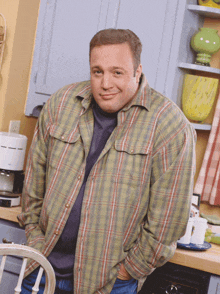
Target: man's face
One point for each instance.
(113, 81)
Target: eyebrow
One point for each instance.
(118, 67)
(114, 67)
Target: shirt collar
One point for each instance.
(85, 95)
(142, 97)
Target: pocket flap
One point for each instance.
(63, 134)
(132, 147)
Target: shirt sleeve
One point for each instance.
(173, 168)
(34, 183)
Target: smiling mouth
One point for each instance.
(108, 95)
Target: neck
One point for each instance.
(102, 112)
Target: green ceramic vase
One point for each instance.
(205, 42)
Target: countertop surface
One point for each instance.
(10, 213)
(208, 260)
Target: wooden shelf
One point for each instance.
(10, 213)
(197, 67)
(205, 11)
(205, 127)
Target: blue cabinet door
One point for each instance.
(154, 22)
(61, 54)
(65, 28)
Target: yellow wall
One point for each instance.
(21, 19)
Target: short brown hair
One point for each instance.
(119, 36)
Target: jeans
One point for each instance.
(65, 286)
(125, 287)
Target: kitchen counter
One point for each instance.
(10, 213)
(208, 261)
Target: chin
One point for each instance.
(107, 108)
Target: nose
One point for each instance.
(106, 81)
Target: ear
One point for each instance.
(138, 73)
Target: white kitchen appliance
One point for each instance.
(12, 154)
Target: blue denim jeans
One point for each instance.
(125, 287)
(65, 286)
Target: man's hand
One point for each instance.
(123, 274)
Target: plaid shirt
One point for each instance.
(138, 193)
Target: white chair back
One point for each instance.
(28, 252)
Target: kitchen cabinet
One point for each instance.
(175, 279)
(61, 54)
(172, 278)
(12, 232)
(214, 285)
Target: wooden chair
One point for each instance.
(28, 252)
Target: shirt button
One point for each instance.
(132, 150)
(57, 232)
(67, 205)
(79, 178)
(62, 137)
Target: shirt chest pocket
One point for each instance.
(132, 172)
(64, 145)
(134, 159)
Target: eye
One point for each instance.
(97, 72)
(118, 73)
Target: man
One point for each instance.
(109, 175)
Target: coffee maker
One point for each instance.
(12, 154)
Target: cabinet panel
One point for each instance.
(10, 274)
(154, 23)
(214, 286)
(173, 278)
(67, 28)
(61, 54)
(12, 232)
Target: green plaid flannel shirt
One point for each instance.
(138, 193)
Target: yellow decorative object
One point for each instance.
(210, 3)
(198, 96)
